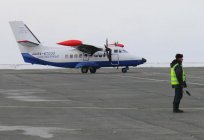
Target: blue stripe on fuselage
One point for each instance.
(30, 59)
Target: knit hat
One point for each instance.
(179, 56)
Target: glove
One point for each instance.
(181, 86)
(184, 84)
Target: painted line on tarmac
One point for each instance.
(195, 77)
(158, 80)
(149, 79)
(167, 74)
(99, 108)
(192, 83)
(65, 107)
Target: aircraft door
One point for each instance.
(85, 57)
(115, 59)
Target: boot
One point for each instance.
(177, 111)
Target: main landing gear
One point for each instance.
(86, 69)
(93, 69)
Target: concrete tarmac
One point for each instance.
(109, 105)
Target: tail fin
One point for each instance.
(23, 35)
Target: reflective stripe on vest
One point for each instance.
(174, 80)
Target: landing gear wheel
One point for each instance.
(92, 70)
(84, 69)
(124, 70)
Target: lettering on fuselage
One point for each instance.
(45, 55)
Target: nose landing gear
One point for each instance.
(124, 70)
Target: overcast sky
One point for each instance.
(153, 29)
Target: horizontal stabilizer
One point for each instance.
(27, 43)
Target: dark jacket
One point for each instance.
(179, 73)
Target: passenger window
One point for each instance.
(75, 56)
(115, 51)
(100, 55)
(80, 55)
(71, 55)
(120, 51)
(66, 56)
(85, 55)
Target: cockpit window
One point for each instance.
(121, 51)
(124, 51)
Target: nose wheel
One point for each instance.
(124, 70)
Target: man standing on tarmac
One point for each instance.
(178, 81)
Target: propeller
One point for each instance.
(106, 45)
(108, 50)
(116, 43)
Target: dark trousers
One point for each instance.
(177, 98)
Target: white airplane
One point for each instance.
(86, 57)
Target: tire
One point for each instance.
(84, 69)
(124, 70)
(92, 70)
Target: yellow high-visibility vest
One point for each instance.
(174, 80)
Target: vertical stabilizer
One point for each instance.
(26, 40)
(22, 33)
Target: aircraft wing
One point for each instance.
(77, 44)
(89, 49)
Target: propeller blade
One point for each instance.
(106, 42)
(106, 45)
(108, 51)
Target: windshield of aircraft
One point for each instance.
(124, 51)
(120, 51)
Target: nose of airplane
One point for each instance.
(144, 60)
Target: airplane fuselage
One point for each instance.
(64, 57)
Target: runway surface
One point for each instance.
(109, 105)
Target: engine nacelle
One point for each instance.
(71, 43)
(118, 45)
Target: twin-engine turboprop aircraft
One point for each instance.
(87, 57)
